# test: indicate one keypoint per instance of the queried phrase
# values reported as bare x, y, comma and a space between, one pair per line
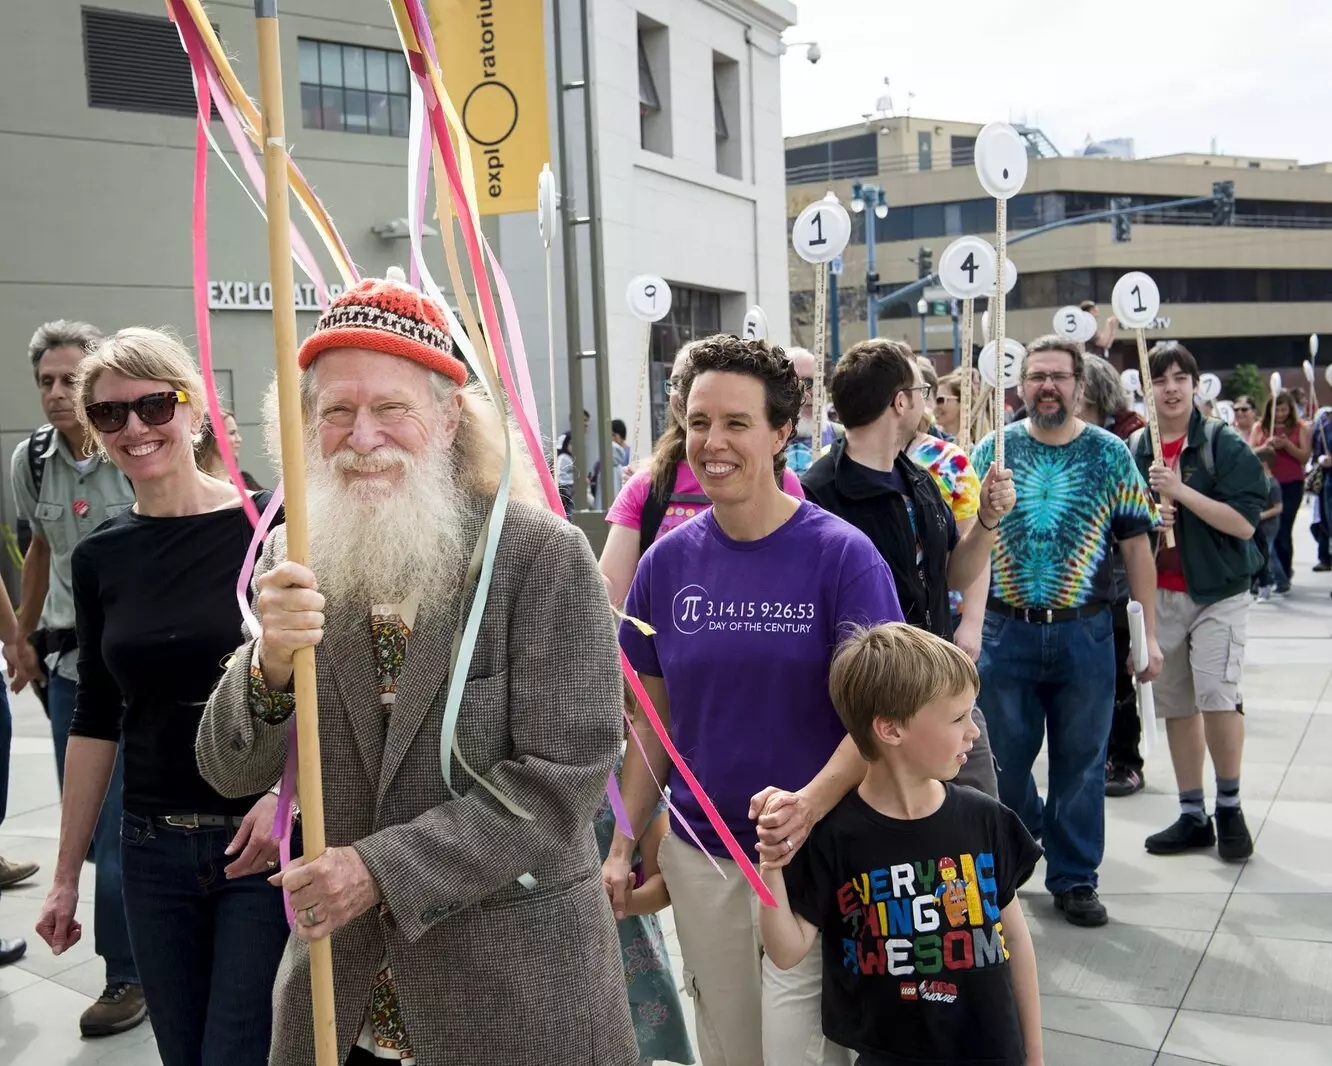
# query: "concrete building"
1250, 292
96, 157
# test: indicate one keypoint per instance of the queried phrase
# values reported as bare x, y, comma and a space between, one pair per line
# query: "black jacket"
840, 487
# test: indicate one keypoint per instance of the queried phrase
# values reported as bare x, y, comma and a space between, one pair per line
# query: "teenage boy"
913, 882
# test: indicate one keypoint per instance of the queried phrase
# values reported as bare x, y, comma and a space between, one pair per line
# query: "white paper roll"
1146, 701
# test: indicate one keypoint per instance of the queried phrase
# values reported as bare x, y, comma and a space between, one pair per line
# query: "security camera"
815, 53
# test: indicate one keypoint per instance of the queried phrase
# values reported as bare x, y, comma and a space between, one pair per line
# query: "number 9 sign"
1136, 300
649, 298
821, 231
1014, 354
1075, 324
966, 268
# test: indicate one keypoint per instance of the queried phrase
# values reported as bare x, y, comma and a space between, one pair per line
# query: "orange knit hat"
387, 316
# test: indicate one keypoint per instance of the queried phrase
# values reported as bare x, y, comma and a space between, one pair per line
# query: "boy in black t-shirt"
913, 882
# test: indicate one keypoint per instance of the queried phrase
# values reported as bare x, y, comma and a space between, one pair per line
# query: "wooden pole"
820, 353
310, 780
997, 325
968, 326
641, 395
1149, 403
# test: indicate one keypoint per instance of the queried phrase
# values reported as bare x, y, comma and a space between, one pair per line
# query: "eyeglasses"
1239, 407
154, 409
1061, 377
807, 384
924, 390
943, 397
672, 386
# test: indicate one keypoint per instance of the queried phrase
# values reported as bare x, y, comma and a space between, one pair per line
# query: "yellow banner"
492, 54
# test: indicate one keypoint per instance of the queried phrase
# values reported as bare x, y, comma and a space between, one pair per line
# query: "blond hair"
982, 402
891, 671
140, 354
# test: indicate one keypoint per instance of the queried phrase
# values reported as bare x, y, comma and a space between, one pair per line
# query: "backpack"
1138, 444
37, 445
654, 512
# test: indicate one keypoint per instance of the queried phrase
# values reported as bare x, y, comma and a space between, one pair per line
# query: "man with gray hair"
64, 491
800, 450
462, 877
1047, 651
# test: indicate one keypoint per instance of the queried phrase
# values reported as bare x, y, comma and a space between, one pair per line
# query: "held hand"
1164, 481
617, 876
21, 665
1167, 513
1155, 660
332, 890
1325, 461
997, 496
254, 846
968, 638
291, 616
57, 925
784, 823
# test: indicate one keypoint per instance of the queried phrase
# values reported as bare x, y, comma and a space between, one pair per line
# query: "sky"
1256, 75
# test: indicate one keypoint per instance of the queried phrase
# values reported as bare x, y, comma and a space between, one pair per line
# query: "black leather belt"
231, 822
1044, 616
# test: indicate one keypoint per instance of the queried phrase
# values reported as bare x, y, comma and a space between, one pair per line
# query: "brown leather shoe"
11, 873
121, 1007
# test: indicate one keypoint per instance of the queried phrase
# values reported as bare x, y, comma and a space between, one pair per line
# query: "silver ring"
310, 918
789, 848
272, 864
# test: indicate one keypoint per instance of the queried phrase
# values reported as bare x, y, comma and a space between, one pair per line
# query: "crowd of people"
858, 645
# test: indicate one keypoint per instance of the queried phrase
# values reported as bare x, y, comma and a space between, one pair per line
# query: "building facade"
96, 159
1247, 292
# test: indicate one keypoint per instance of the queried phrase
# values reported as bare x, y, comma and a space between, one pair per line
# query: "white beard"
805, 427
377, 542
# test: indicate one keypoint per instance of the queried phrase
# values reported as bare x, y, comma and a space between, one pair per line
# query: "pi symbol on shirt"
689, 609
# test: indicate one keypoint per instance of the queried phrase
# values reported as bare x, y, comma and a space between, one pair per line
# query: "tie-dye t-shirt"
1053, 549
957, 480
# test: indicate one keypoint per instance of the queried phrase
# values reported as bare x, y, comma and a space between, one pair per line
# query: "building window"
352, 88
962, 151
726, 115
694, 313
654, 87
925, 150
848, 157
136, 63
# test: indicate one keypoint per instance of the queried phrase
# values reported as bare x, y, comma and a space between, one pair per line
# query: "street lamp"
922, 309
862, 196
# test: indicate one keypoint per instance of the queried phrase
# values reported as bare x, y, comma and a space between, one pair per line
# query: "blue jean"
208, 948
110, 932
6, 743
1272, 573
1060, 678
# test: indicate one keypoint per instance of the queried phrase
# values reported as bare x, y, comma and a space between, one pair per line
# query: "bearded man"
468, 927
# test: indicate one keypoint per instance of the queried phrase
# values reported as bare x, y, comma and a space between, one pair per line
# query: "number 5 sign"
821, 231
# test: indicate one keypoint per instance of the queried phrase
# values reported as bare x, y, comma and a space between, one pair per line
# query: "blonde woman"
156, 615
948, 412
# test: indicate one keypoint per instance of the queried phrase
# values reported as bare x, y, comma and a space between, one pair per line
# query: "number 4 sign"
967, 268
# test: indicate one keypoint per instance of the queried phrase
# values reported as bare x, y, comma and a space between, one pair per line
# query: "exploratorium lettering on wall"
258, 296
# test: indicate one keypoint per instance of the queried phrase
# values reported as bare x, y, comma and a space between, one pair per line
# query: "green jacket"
1216, 565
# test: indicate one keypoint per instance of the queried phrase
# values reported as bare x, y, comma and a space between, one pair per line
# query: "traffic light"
925, 261
1121, 225
1223, 206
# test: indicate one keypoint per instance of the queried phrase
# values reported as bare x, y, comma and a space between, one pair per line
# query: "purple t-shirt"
745, 634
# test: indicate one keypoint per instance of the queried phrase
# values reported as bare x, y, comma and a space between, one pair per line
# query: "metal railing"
870, 166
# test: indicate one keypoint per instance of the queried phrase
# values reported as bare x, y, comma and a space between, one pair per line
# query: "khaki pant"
746, 1011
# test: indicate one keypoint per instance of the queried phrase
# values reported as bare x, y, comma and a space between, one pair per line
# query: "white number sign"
649, 298
1014, 353
756, 325
1209, 387
546, 204
966, 268
1313, 345
1001, 160
1074, 323
1136, 300
1010, 276
1225, 410
821, 231
1132, 381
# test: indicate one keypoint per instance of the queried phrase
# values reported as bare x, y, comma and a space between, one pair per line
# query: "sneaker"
1322, 568
121, 1007
11, 873
1264, 593
1283, 590
1233, 842
12, 950
1185, 835
1122, 781
1081, 906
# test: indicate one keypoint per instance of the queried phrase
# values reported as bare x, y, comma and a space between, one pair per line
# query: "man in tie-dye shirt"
1047, 652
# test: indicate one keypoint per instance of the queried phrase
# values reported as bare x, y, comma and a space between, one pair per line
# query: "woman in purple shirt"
748, 601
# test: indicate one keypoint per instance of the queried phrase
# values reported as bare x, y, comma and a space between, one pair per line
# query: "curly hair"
783, 392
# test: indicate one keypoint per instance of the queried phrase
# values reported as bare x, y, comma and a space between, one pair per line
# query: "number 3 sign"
649, 298
1136, 300
821, 231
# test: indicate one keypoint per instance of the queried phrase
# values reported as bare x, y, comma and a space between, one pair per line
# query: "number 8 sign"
821, 231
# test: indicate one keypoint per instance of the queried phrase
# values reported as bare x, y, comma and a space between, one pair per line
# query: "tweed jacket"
486, 970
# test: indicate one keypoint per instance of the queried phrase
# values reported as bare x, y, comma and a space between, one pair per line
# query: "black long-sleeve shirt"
157, 618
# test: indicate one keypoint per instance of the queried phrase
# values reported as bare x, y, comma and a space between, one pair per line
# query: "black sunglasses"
154, 409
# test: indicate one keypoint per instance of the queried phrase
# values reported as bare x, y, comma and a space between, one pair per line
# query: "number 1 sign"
819, 236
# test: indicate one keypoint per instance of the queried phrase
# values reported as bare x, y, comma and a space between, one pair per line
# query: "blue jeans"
1272, 573
110, 932
6, 742
1060, 678
208, 948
